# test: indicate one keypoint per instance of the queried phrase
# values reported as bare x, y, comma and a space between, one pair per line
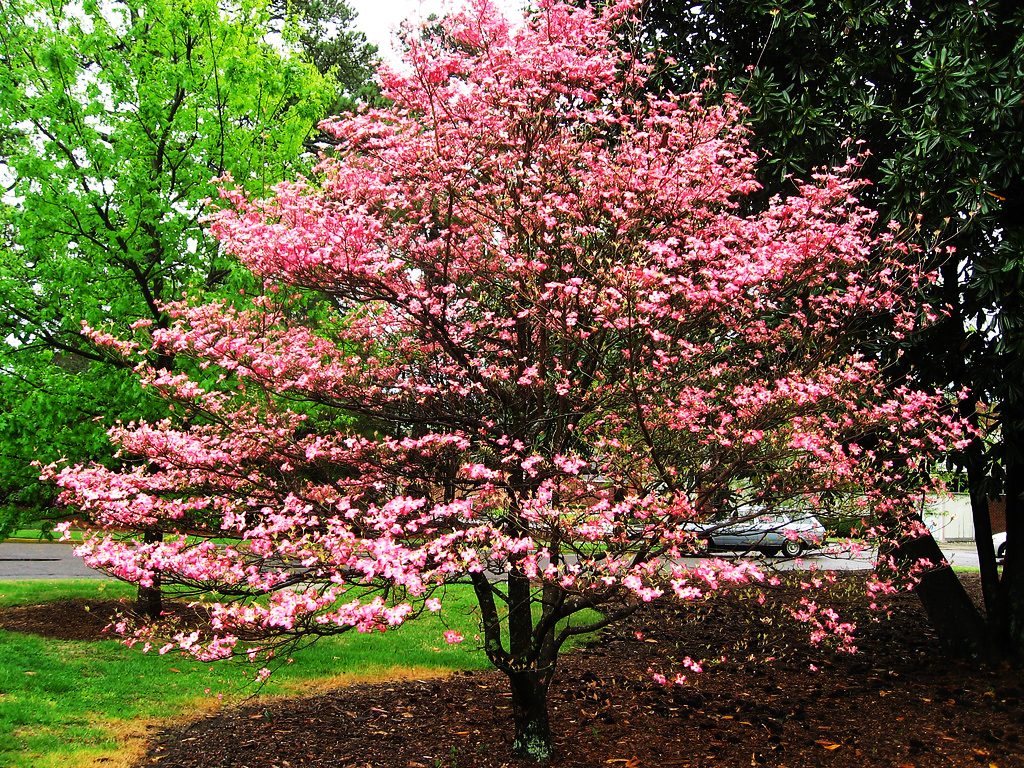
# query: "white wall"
950, 519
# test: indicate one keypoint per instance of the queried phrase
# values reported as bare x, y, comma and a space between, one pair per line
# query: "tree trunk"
149, 600
959, 625
979, 488
532, 739
981, 515
1011, 586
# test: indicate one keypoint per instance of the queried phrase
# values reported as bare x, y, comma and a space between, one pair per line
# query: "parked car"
769, 533
999, 543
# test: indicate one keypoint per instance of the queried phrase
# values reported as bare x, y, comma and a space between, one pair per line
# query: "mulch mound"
70, 619
81, 618
775, 700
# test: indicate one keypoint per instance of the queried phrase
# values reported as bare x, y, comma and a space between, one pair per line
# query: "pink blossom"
520, 331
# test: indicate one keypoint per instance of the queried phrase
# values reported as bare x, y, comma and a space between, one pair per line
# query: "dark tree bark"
1010, 598
532, 739
959, 625
149, 600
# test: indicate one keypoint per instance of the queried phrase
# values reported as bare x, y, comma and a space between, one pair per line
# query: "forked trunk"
532, 740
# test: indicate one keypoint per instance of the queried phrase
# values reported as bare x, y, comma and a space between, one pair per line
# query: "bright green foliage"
46, 412
117, 115
935, 89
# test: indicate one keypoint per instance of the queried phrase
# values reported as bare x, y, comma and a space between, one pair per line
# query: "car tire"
1001, 552
792, 548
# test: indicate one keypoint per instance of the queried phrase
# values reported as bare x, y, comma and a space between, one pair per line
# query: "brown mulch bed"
774, 701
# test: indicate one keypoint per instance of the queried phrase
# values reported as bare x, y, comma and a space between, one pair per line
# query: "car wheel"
792, 548
1001, 552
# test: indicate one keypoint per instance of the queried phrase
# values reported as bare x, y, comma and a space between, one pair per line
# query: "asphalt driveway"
41, 560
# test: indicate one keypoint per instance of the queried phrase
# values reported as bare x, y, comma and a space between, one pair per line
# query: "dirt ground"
775, 700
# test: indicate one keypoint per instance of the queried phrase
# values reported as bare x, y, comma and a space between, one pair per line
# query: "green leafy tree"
935, 89
118, 117
324, 30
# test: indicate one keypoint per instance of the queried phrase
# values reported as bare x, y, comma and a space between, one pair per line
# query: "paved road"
55, 561
42, 561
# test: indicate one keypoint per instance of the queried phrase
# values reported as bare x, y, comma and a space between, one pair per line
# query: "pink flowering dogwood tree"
552, 345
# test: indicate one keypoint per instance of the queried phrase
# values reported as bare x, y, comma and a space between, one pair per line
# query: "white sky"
378, 18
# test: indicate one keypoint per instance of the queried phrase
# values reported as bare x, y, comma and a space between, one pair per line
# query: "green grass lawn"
72, 704
29, 535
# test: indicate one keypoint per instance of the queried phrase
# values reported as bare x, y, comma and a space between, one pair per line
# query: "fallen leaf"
828, 745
